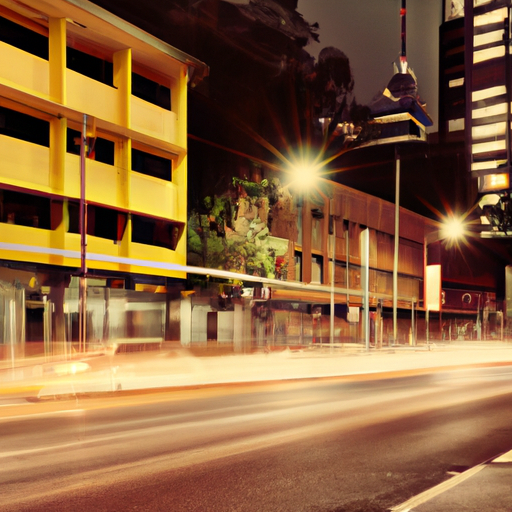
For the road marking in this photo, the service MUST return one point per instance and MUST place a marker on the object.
(437, 490)
(506, 457)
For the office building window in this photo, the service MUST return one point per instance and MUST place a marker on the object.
(101, 222)
(24, 127)
(100, 149)
(91, 66)
(298, 265)
(23, 38)
(151, 165)
(25, 209)
(151, 91)
(317, 269)
(158, 232)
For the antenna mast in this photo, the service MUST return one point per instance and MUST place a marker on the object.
(403, 55)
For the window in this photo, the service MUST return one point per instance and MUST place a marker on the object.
(100, 149)
(156, 232)
(74, 217)
(25, 209)
(151, 91)
(151, 165)
(101, 222)
(105, 222)
(23, 38)
(24, 127)
(298, 265)
(317, 269)
(88, 65)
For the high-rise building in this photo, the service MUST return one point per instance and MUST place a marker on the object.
(475, 98)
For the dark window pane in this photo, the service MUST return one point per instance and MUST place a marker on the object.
(88, 65)
(73, 141)
(23, 38)
(101, 222)
(104, 222)
(102, 150)
(74, 217)
(24, 127)
(152, 165)
(25, 209)
(155, 232)
(151, 91)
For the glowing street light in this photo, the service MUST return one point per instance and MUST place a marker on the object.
(452, 230)
(306, 177)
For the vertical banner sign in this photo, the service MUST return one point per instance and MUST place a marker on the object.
(433, 288)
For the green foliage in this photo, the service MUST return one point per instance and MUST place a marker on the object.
(251, 188)
(194, 242)
(226, 249)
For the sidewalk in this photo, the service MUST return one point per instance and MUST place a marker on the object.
(180, 368)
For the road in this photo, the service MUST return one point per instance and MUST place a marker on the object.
(324, 445)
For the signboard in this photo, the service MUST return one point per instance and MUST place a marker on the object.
(433, 288)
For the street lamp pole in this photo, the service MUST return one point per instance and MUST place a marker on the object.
(397, 244)
(82, 299)
(332, 233)
(453, 229)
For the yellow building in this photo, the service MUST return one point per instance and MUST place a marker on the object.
(93, 153)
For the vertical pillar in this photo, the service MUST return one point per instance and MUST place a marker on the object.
(59, 209)
(508, 292)
(238, 332)
(186, 321)
(58, 336)
(57, 59)
(123, 81)
(58, 133)
(306, 240)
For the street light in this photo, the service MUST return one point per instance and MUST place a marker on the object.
(306, 177)
(451, 230)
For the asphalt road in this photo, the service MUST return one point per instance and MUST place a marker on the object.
(320, 445)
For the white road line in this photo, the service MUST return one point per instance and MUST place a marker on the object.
(437, 490)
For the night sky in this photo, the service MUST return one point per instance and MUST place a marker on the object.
(368, 32)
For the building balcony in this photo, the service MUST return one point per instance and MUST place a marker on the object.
(29, 74)
(24, 71)
(154, 121)
(25, 164)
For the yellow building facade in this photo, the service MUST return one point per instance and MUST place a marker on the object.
(93, 147)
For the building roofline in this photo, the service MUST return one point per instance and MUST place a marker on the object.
(198, 70)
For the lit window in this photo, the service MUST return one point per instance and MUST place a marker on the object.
(488, 130)
(491, 92)
(493, 110)
(488, 38)
(485, 147)
(455, 125)
(488, 54)
(457, 82)
(493, 182)
(496, 16)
